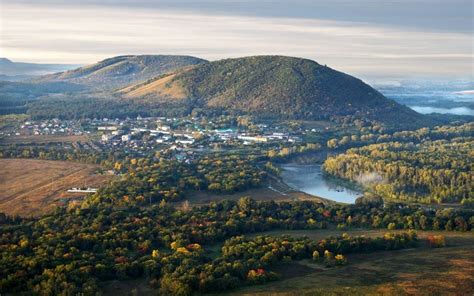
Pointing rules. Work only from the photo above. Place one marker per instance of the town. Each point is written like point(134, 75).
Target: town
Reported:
point(144, 134)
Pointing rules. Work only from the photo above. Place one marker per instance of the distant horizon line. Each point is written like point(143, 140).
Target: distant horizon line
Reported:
point(360, 74)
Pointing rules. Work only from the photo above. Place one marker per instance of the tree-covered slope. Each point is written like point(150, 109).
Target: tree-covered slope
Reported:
point(431, 171)
point(273, 86)
point(121, 71)
point(15, 95)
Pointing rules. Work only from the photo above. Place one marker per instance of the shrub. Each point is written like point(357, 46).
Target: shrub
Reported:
point(340, 259)
point(436, 241)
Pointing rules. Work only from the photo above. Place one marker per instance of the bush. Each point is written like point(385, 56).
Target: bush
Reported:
point(340, 259)
point(436, 241)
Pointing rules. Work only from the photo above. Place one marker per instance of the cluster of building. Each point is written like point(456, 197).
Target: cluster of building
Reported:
point(230, 135)
point(47, 127)
point(147, 136)
point(142, 135)
point(157, 133)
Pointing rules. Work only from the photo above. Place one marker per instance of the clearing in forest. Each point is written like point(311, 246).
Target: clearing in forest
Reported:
point(30, 187)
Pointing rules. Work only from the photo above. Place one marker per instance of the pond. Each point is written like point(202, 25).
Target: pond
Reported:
point(310, 179)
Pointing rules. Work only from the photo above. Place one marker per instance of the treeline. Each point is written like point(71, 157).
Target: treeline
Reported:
point(82, 106)
point(365, 137)
point(438, 171)
point(283, 153)
point(16, 96)
point(266, 250)
point(54, 152)
point(72, 250)
point(249, 261)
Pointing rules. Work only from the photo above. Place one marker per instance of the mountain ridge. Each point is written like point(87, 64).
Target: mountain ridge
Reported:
point(120, 71)
point(9, 68)
point(271, 86)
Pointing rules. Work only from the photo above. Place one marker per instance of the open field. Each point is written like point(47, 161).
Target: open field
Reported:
point(420, 271)
point(274, 189)
point(32, 187)
point(42, 139)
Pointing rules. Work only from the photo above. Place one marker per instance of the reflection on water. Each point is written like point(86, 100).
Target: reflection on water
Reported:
point(310, 179)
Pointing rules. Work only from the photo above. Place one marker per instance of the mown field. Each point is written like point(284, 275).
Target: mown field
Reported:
point(33, 187)
point(420, 271)
point(271, 190)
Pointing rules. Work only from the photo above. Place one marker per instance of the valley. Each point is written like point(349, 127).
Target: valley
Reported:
point(192, 148)
point(263, 175)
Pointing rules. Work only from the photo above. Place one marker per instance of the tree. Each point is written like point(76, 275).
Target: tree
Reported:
point(245, 204)
point(332, 144)
point(436, 241)
point(315, 255)
point(172, 286)
point(391, 226)
point(340, 259)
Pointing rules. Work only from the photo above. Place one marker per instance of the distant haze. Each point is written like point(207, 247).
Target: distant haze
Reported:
point(455, 111)
point(368, 38)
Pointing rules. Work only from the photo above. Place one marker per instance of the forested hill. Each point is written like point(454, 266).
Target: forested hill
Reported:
point(121, 71)
point(273, 86)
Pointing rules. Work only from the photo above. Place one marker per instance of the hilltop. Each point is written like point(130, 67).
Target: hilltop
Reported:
point(271, 86)
point(121, 71)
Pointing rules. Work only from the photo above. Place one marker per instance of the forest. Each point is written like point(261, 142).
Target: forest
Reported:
point(150, 180)
point(72, 250)
point(432, 171)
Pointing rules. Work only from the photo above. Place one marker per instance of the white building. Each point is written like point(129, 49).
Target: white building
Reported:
point(184, 141)
point(259, 139)
point(164, 128)
point(107, 137)
point(107, 128)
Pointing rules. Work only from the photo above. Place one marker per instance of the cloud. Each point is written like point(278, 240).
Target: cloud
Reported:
point(371, 178)
point(85, 34)
point(426, 15)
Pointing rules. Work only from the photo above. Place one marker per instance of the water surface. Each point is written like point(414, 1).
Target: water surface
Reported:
point(309, 179)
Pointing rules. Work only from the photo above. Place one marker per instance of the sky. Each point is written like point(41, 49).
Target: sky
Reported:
point(369, 38)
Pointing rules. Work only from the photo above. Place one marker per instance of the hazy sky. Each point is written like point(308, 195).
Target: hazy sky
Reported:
point(364, 37)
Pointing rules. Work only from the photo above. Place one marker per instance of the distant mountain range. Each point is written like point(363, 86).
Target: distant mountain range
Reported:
point(12, 71)
point(276, 87)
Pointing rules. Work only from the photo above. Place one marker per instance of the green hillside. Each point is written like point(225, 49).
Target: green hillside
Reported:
point(274, 87)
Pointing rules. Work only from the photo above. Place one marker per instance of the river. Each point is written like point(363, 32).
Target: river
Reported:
point(310, 179)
